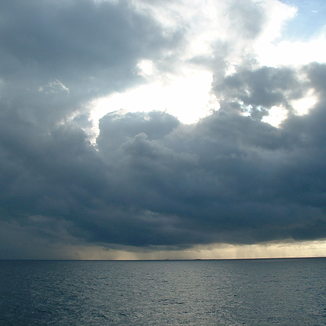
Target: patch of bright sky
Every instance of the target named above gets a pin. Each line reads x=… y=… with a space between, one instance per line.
x=310 y=19
x=303 y=36
x=276 y=115
x=303 y=105
x=186 y=90
x=186 y=95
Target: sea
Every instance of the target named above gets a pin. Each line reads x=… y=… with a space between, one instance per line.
x=215 y=292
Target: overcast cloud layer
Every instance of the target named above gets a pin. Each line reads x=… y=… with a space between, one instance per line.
x=150 y=180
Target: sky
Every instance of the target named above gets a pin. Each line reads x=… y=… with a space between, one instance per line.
x=138 y=129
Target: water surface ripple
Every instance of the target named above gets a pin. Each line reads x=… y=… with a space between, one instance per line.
x=257 y=292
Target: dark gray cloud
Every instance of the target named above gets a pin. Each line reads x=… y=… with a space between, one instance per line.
x=228 y=178
x=150 y=180
x=55 y=55
x=153 y=181
x=258 y=89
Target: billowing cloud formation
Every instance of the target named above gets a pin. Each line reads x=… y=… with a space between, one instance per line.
x=149 y=180
x=229 y=178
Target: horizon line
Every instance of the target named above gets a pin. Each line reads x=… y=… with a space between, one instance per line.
x=164 y=260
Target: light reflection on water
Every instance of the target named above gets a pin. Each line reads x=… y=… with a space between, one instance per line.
x=257 y=292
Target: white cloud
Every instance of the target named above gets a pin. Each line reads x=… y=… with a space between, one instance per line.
x=276 y=115
x=187 y=95
x=293 y=53
x=55 y=86
x=211 y=31
x=303 y=105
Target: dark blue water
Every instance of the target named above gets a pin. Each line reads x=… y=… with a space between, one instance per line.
x=260 y=292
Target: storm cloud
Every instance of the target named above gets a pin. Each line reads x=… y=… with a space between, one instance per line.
x=148 y=179
x=228 y=178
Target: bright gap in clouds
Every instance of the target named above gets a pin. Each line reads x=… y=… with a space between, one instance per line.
x=309 y=19
x=303 y=105
x=186 y=90
x=186 y=95
x=275 y=116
